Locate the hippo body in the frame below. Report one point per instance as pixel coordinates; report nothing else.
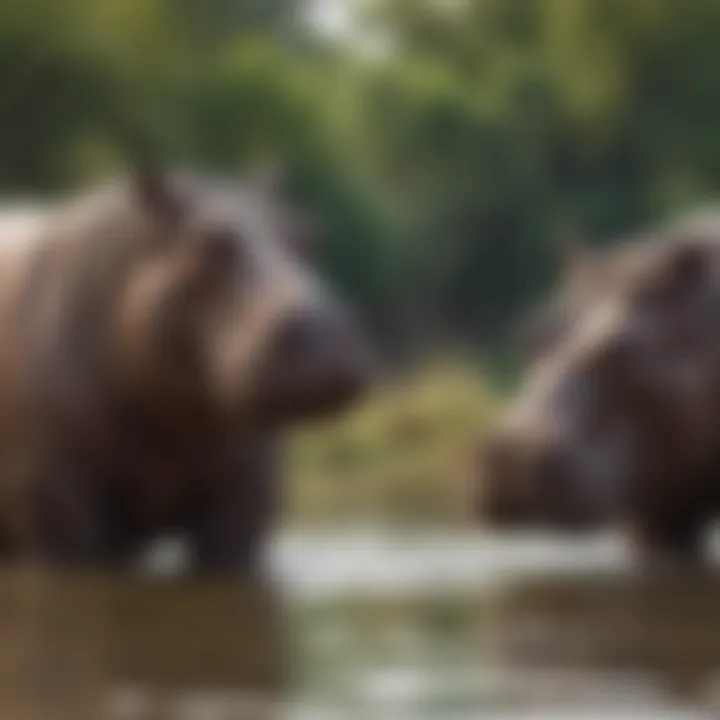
(159, 335)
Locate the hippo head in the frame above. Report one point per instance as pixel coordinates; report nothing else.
(220, 304)
(621, 398)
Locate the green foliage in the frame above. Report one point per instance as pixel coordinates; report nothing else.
(405, 456)
(443, 145)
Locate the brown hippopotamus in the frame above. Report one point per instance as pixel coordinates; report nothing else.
(618, 417)
(158, 333)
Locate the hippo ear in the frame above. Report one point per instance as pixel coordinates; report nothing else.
(574, 253)
(155, 189)
(687, 265)
(675, 275)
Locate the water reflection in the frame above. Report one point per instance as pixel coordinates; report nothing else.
(464, 628)
(136, 647)
(533, 633)
(665, 629)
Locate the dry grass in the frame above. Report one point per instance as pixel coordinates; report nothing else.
(402, 457)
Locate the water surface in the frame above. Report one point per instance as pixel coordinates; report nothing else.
(367, 624)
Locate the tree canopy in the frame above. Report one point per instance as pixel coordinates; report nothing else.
(444, 158)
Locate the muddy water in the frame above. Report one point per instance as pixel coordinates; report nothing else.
(450, 626)
(369, 625)
(97, 647)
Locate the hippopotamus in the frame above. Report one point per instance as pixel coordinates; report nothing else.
(160, 332)
(617, 417)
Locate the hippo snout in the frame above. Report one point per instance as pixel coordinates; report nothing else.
(319, 362)
(530, 481)
(509, 482)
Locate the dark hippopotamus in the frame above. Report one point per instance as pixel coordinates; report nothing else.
(159, 334)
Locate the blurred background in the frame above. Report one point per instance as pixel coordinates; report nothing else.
(445, 146)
